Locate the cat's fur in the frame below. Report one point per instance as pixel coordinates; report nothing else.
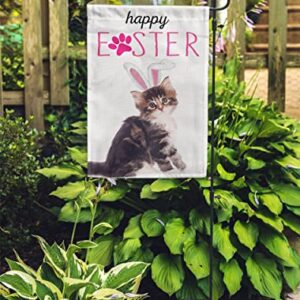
(144, 139)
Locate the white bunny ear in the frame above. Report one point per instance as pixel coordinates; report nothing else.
(154, 71)
(136, 76)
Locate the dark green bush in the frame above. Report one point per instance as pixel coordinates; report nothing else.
(19, 159)
(166, 222)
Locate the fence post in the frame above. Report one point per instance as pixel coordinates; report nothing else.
(58, 46)
(1, 84)
(33, 64)
(277, 52)
(236, 43)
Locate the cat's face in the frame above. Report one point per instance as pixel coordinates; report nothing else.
(156, 101)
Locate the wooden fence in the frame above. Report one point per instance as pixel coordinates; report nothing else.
(46, 54)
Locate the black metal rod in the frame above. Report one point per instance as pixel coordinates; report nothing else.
(214, 10)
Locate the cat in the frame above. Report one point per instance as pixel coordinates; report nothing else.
(144, 139)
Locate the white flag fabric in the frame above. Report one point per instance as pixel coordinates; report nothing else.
(147, 91)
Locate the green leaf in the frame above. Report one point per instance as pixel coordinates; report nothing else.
(102, 254)
(294, 147)
(233, 275)
(86, 244)
(69, 191)
(247, 233)
(190, 290)
(55, 255)
(47, 274)
(107, 294)
(167, 273)
(255, 164)
(146, 193)
(292, 222)
(292, 277)
(224, 174)
(278, 245)
(19, 282)
(289, 194)
(69, 211)
(152, 223)
(124, 274)
(270, 128)
(79, 156)
(177, 234)
(133, 229)
(164, 185)
(272, 202)
(114, 193)
(289, 162)
(126, 249)
(20, 266)
(264, 276)
(200, 221)
(143, 254)
(43, 291)
(73, 284)
(271, 220)
(196, 257)
(218, 285)
(230, 155)
(62, 172)
(103, 228)
(111, 216)
(294, 209)
(222, 241)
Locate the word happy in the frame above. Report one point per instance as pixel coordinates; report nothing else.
(162, 44)
(146, 20)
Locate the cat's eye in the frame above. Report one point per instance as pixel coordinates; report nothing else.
(152, 105)
(165, 100)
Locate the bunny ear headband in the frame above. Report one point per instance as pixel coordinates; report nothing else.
(154, 73)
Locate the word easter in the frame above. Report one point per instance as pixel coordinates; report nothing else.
(146, 20)
(170, 43)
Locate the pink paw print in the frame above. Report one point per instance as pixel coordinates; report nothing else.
(121, 43)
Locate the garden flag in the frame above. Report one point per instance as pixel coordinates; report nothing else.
(147, 91)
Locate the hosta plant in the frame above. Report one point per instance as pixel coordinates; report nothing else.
(63, 275)
(166, 222)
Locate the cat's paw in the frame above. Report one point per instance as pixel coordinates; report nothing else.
(180, 165)
(121, 44)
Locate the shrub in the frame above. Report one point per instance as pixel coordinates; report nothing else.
(19, 160)
(166, 222)
(63, 275)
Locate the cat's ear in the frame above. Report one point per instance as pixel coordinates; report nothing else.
(138, 98)
(168, 88)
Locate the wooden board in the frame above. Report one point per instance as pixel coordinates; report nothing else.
(33, 65)
(58, 46)
(277, 52)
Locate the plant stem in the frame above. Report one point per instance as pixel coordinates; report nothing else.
(75, 225)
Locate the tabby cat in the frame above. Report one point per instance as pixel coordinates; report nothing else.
(145, 139)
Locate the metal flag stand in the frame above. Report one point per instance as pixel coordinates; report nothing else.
(214, 9)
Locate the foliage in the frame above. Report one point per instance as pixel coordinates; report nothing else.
(63, 275)
(166, 222)
(19, 160)
(11, 38)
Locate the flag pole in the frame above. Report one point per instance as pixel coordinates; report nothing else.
(214, 9)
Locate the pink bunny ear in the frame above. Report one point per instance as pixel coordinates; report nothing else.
(136, 76)
(154, 70)
(155, 76)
